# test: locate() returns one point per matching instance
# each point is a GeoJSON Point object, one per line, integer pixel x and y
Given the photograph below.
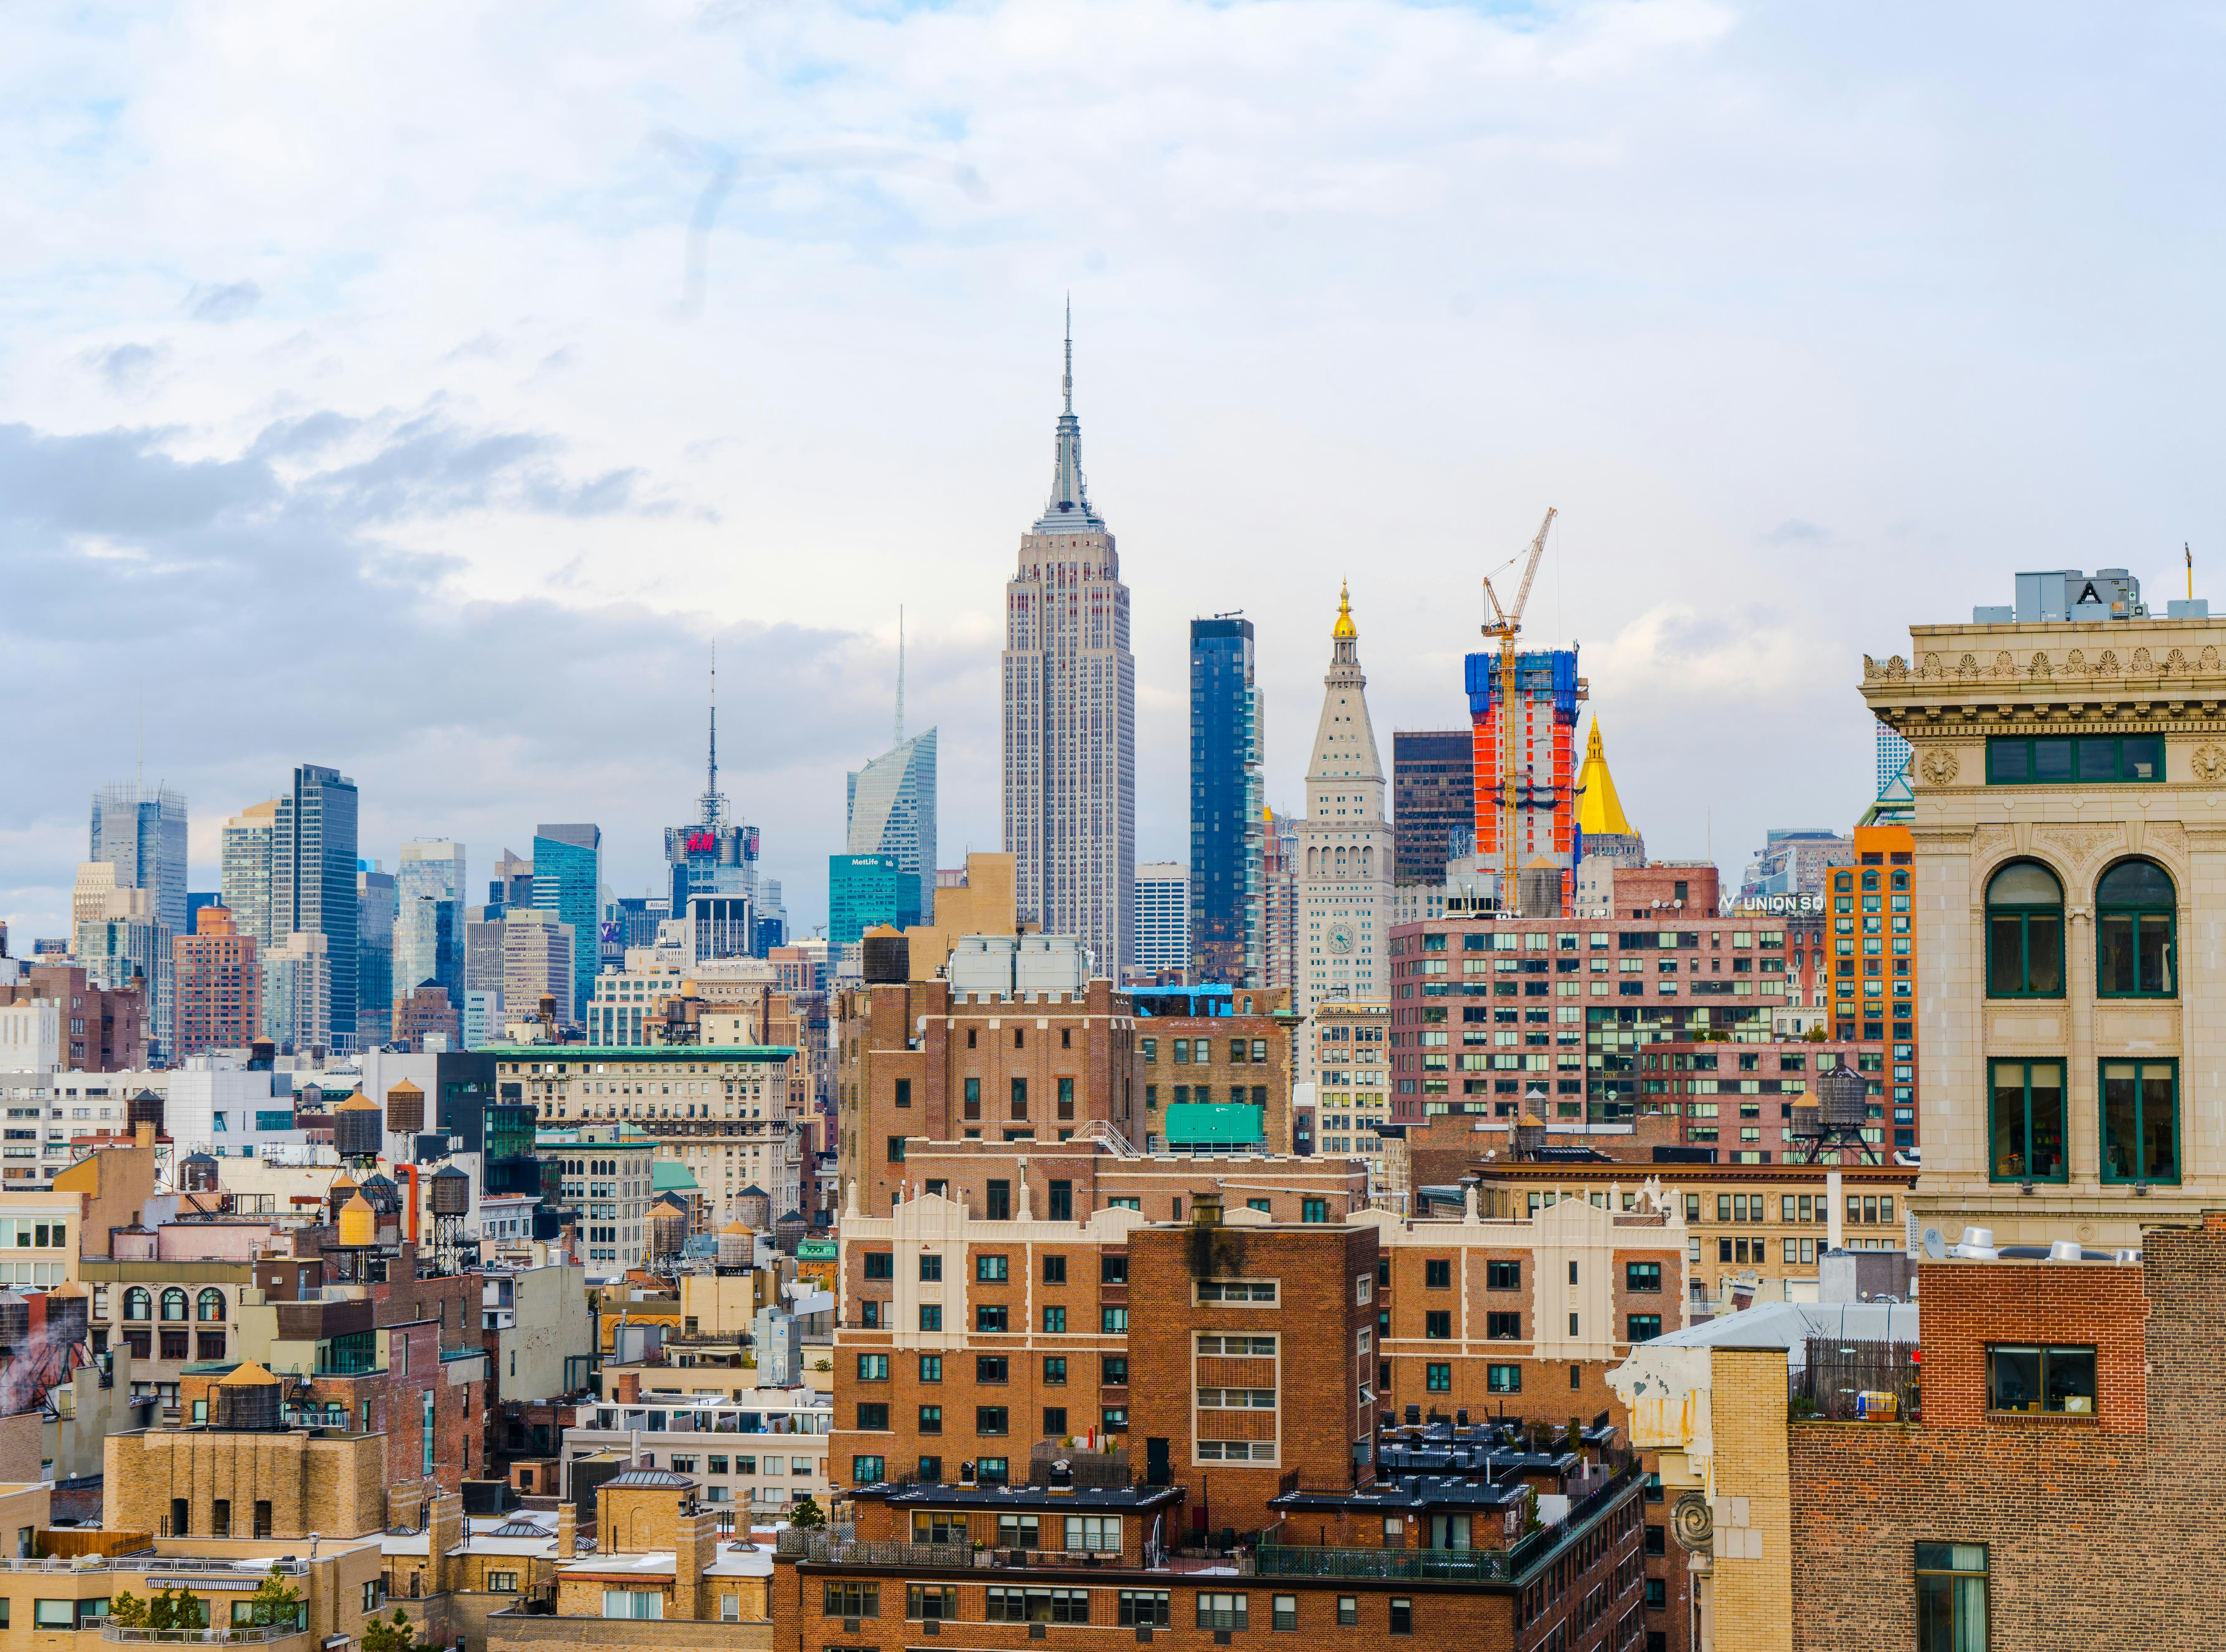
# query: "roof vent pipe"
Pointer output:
{"type": "Point", "coordinates": [2065, 1251]}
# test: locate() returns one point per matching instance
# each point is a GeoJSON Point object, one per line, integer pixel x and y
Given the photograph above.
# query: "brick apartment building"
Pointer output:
{"type": "Point", "coordinates": [1254, 1400]}
{"type": "Point", "coordinates": [1353, 1093]}
{"type": "Point", "coordinates": [2078, 1509]}
{"type": "Point", "coordinates": [104, 1029]}
{"type": "Point", "coordinates": [918, 1059]}
{"type": "Point", "coordinates": [1218, 1048]}
{"type": "Point", "coordinates": [1487, 1012]}
{"type": "Point", "coordinates": [991, 1310]}
{"type": "Point", "coordinates": [1760, 1226]}
{"type": "Point", "coordinates": [219, 986]}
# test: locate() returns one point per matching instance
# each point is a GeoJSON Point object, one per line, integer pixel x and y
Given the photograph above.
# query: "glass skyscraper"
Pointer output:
{"type": "Point", "coordinates": [568, 869]}
{"type": "Point", "coordinates": [1227, 825]}
{"type": "Point", "coordinates": [892, 812]}
{"type": "Point", "coordinates": [246, 874]}
{"type": "Point", "coordinates": [141, 831]}
{"type": "Point", "coordinates": [313, 887]}
{"type": "Point", "coordinates": [429, 888]}
{"type": "Point", "coordinates": [863, 890]}
{"type": "Point", "coordinates": [374, 955]}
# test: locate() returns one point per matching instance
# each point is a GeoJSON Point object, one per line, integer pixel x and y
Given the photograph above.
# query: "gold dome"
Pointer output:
{"type": "Point", "coordinates": [1345, 628]}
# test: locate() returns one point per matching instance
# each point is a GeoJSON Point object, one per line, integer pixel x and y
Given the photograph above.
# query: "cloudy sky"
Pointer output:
{"type": "Point", "coordinates": [422, 389]}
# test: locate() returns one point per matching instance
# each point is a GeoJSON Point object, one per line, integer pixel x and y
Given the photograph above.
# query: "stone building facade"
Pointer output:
{"type": "Point", "coordinates": [2068, 866]}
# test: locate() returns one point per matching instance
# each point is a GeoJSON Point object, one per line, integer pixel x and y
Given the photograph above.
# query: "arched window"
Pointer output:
{"type": "Point", "coordinates": [173, 1304]}
{"type": "Point", "coordinates": [137, 1305]}
{"type": "Point", "coordinates": [209, 1304]}
{"type": "Point", "coordinates": [2025, 932]}
{"type": "Point", "coordinates": [2133, 911]}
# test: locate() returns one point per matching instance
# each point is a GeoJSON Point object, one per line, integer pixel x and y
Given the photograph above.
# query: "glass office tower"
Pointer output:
{"type": "Point", "coordinates": [1226, 824]}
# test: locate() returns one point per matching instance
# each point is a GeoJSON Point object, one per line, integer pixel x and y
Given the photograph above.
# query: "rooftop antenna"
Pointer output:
{"type": "Point", "coordinates": [1066, 384]}
{"type": "Point", "coordinates": [899, 674]}
{"type": "Point", "coordinates": [711, 772]}
{"type": "Point", "coordinates": [2188, 551]}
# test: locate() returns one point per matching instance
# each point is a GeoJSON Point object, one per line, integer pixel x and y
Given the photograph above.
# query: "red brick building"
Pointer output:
{"type": "Point", "coordinates": [220, 987]}
{"type": "Point", "coordinates": [2058, 1480]}
{"type": "Point", "coordinates": [103, 1030]}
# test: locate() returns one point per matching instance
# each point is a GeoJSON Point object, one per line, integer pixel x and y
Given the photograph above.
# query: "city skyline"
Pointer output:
{"type": "Point", "coordinates": [1284, 384]}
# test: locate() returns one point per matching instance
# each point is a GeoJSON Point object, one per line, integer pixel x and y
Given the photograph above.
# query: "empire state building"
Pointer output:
{"type": "Point", "coordinates": [1070, 694]}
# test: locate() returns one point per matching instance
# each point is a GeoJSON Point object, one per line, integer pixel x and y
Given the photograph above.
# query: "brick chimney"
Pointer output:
{"type": "Point", "coordinates": [568, 1530]}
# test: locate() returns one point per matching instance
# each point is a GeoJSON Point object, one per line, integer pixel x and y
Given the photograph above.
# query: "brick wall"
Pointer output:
{"type": "Point", "coordinates": [1326, 1299]}
{"type": "Point", "coordinates": [2101, 1533]}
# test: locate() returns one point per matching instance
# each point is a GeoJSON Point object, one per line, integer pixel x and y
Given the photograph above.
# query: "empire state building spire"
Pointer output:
{"type": "Point", "coordinates": [1069, 718]}
{"type": "Point", "coordinates": [1069, 511]}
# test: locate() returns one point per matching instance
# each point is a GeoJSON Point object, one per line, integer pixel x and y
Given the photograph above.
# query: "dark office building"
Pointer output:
{"type": "Point", "coordinates": [1432, 802]}
{"type": "Point", "coordinates": [1226, 824]}
{"type": "Point", "coordinates": [313, 885]}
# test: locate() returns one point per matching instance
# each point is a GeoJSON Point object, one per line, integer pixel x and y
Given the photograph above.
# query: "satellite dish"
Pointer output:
{"type": "Point", "coordinates": [1936, 1246]}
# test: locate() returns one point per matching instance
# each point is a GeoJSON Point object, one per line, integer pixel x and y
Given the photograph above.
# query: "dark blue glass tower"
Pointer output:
{"type": "Point", "coordinates": [1226, 825]}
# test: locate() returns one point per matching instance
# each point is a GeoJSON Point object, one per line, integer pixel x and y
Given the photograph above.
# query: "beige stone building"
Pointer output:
{"type": "Point", "coordinates": [2070, 887]}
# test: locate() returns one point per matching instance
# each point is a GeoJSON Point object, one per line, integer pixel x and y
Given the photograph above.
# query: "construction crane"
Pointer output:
{"type": "Point", "coordinates": [1504, 625]}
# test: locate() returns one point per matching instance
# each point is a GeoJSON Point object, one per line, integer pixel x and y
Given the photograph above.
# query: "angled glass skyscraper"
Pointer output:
{"type": "Point", "coordinates": [1069, 687]}
{"type": "Point", "coordinates": [427, 938]}
{"type": "Point", "coordinates": [568, 867]}
{"type": "Point", "coordinates": [1226, 824]}
{"type": "Point", "coordinates": [313, 866]}
{"type": "Point", "coordinates": [892, 812]}
{"type": "Point", "coordinates": [141, 831]}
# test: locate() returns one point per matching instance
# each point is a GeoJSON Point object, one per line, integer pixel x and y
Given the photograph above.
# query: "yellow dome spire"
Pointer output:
{"type": "Point", "coordinates": [1345, 628]}
{"type": "Point", "coordinates": [1600, 813]}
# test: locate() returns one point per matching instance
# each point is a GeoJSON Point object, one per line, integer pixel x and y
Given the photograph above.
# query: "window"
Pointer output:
{"type": "Point", "coordinates": [209, 1304]}
{"type": "Point", "coordinates": [1247, 1292]}
{"type": "Point", "coordinates": [1145, 1609]}
{"type": "Point", "coordinates": [904, 1092]}
{"type": "Point", "coordinates": [1438, 1377]}
{"type": "Point", "coordinates": [990, 1269]}
{"type": "Point", "coordinates": [873, 1416]}
{"type": "Point", "coordinates": [1503, 1326]}
{"type": "Point", "coordinates": [866, 1471]}
{"type": "Point", "coordinates": [373, 1592]}
{"type": "Point", "coordinates": [1019, 1094]}
{"type": "Point", "coordinates": [2025, 1378]}
{"type": "Point", "coordinates": [896, 1150]}
{"type": "Point", "coordinates": [2025, 932]}
{"type": "Point", "coordinates": [1642, 1276]}
{"type": "Point", "coordinates": [173, 1304]}
{"type": "Point", "coordinates": [849, 1600]}
{"type": "Point", "coordinates": [1438, 1273]}
{"type": "Point", "coordinates": [502, 1583]}
{"type": "Point", "coordinates": [2027, 1123]}
{"type": "Point", "coordinates": [2134, 939]}
{"type": "Point", "coordinates": [1657, 1593]}
{"type": "Point", "coordinates": [973, 1088]}
{"type": "Point", "coordinates": [1286, 1613]}
{"type": "Point", "coordinates": [2140, 1122]}
{"type": "Point", "coordinates": [1402, 1615]}
{"type": "Point", "coordinates": [931, 1420]}
{"type": "Point", "coordinates": [1223, 1611]}
{"type": "Point", "coordinates": [880, 1264]}
{"type": "Point", "coordinates": [1115, 1371]}
{"type": "Point", "coordinates": [991, 1316]}
{"type": "Point", "coordinates": [1311, 1211]}
{"type": "Point", "coordinates": [931, 1368]}
{"type": "Point", "coordinates": [998, 1202]}
{"type": "Point", "coordinates": [1657, 1540]}
{"type": "Point", "coordinates": [1438, 1324]}
{"type": "Point", "coordinates": [1054, 1370]}
{"type": "Point", "coordinates": [1113, 1269]}
{"type": "Point", "coordinates": [931, 1601]}
{"type": "Point", "coordinates": [1503, 1276]}
{"type": "Point", "coordinates": [931, 1267]}
{"type": "Point", "coordinates": [873, 1367]}
{"type": "Point", "coordinates": [2013, 760]}
{"type": "Point", "coordinates": [1113, 1322]}
{"type": "Point", "coordinates": [1951, 1597]}
{"type": "Point", "coordinates": [1502, 1379]}
{"type": "Point", "coordinates": [1054, 1422]}
{"type": "Point", "coordinates": [1348, 1611]}
{"type": "Point", "coordinates": [1054, 1322]}
{"type": "Point", "coordinates": [1644, 1327]}
{"type": "Point", "coordinates": [1100, 1534]}
{"type": "Point", "coordinates": [640, 1602]}
{"type": "Point", "coordinates": [992, 1367]}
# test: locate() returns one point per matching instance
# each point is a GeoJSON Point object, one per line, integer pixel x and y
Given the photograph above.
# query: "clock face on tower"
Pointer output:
{"type": "Point", "coordinates": [1340, 938]}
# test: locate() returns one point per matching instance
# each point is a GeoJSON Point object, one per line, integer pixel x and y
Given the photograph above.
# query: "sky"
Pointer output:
{"type": "Point", "coordinates": [422, 389]}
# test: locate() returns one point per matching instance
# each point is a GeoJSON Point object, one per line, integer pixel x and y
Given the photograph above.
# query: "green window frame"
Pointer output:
{"type": "Point", "coordinates": [1951, 1597]}
{"type": "Point", "coordinates": [2025, 932]}
{"type": "Point", "coordinates": [2075, 759]}
{"type": "Point", "coordinates": [2140, 1122]}
{"type": "Point", "coordinates": [2136, 911]}
{"type": "Point", "coordinates": [1438, 1377]}
{"type": "Point", "coordinates": [1502, 1379]}
{"type": "Point", "coordinates": [2026, 1122]}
